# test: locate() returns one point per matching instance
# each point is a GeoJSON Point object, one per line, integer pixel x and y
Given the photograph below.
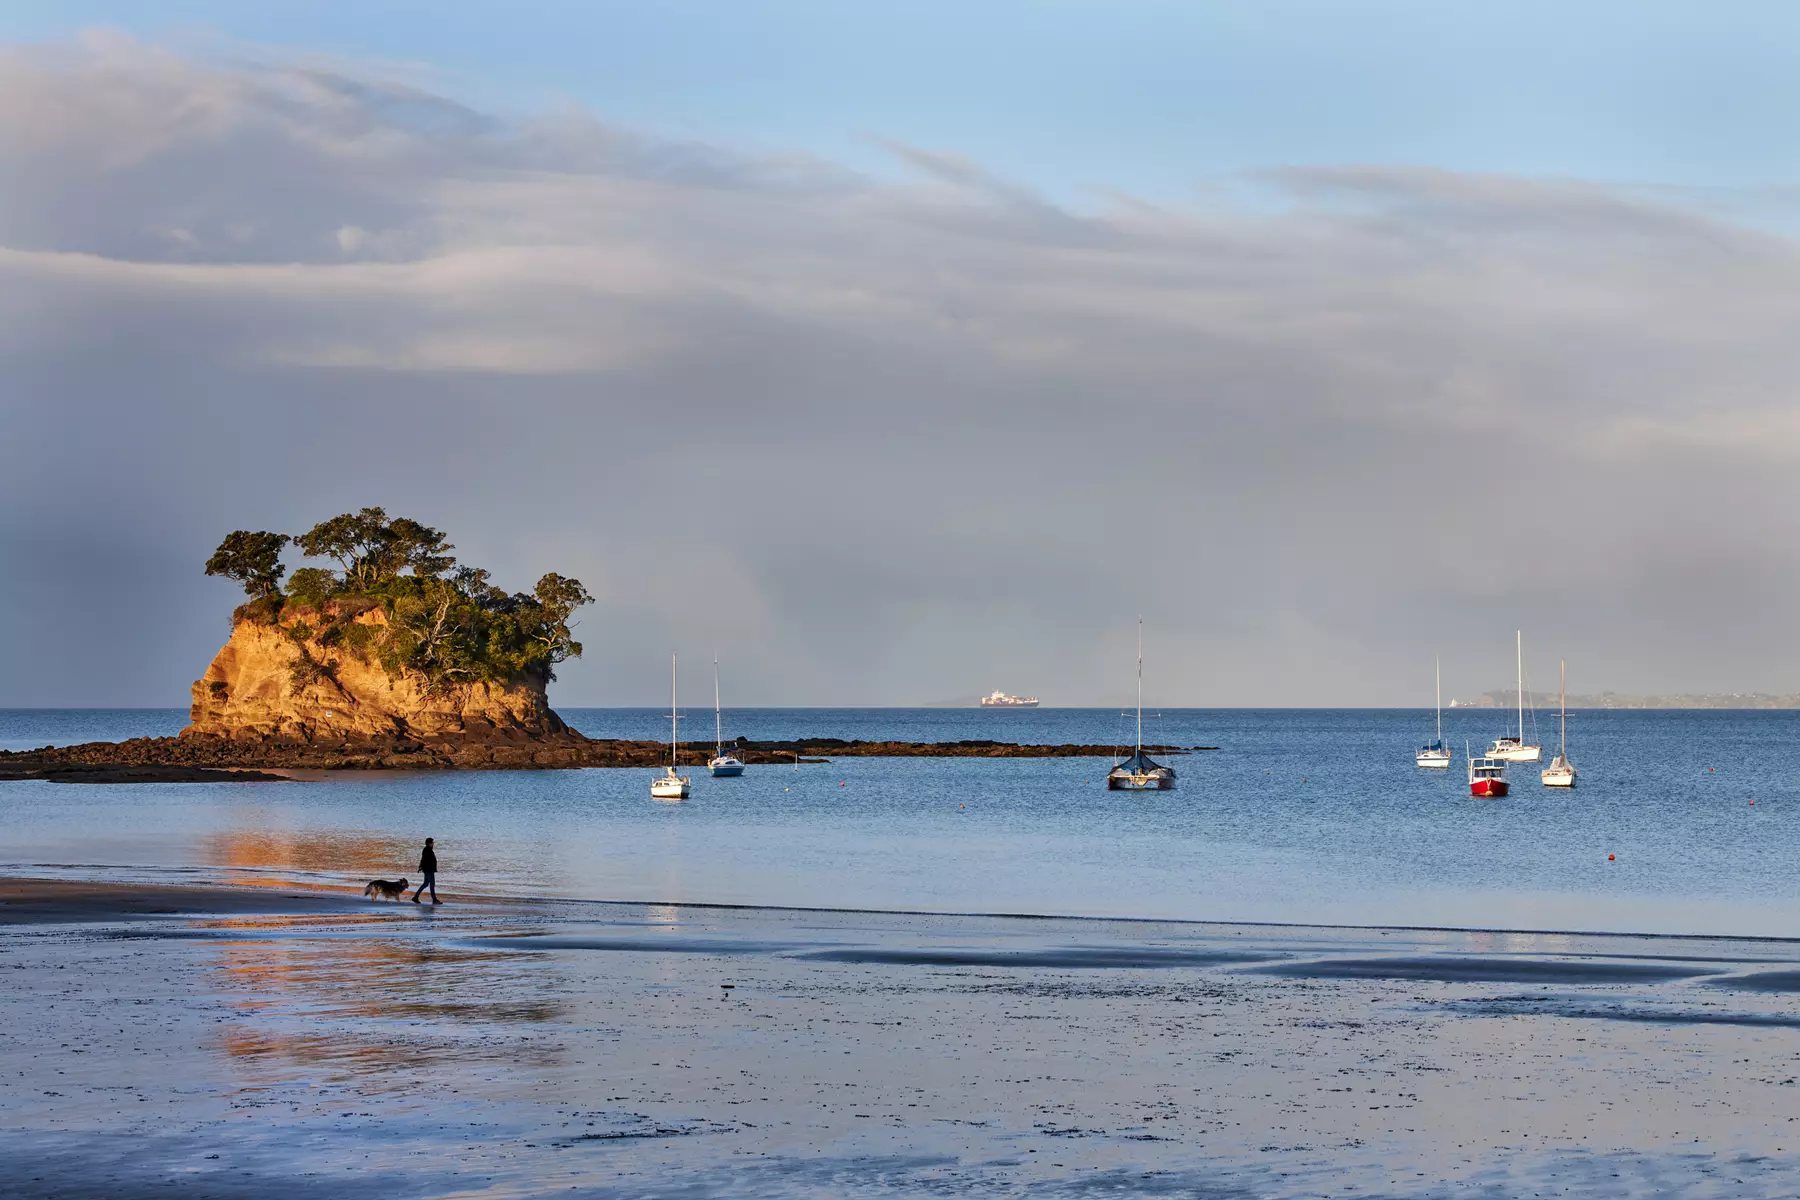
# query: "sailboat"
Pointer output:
{"type": "Point", "coordinates": [671, 784]}
{"type": "Point", "coordinates": [1140, 772]}
{"type": "Point", "coordinates": [1515, 749]}
{"type": "Point", "coordinates": [721, 764]}
{"type": "Point", "coordinates": [1434, 753]}
{"type": "Point", "coordinates": [1561, 772]}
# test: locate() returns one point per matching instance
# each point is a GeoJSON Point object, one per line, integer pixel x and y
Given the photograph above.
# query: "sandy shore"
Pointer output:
{"type": "Point", "coordinates": [236, 1042]}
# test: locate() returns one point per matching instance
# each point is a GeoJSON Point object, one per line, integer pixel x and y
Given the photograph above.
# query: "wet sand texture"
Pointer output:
{"type": "Point", "coordinates": [488, 1051]}
{"type": "Point", "coordinates": [46, 901]}
{"type": "Point", "coordinates": [1447, 969]}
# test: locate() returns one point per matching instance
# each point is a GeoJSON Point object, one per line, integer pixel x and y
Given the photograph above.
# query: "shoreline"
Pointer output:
{"type": "Point", "coordinates": [19, 893]}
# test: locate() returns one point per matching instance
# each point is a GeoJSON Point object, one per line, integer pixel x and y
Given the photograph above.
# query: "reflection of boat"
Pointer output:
{"type": "Point", "coordinates": [1434, 753]}
{"type": "Point", "coordinates": [671, 784]}
{"type": "Point", "coordinates": [721, 764]}
{"type": "Point", "coordinates": [1561, 772]}
{"type": "Point", "coordinates": [1515, 749]}
{"type": "Point", "coordinates": [1487, 776]}
{"type": "Point", "coordinates": [1001, 700]}
{"type": "Point", "coordinates": [1140, 772]}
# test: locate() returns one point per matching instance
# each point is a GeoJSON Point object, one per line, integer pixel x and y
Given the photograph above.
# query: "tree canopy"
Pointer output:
{"type": "Point", "coordinates": [444, 621]}
{"type": "Point", "coordinates": [253, 559]}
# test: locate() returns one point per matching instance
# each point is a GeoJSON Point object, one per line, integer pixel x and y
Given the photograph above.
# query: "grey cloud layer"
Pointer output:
{"type": "Point", "coordinates": [905, 438]}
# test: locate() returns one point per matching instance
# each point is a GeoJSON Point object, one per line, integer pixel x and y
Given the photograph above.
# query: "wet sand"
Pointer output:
{"type": "Point", "coordinates": [234, 1042]}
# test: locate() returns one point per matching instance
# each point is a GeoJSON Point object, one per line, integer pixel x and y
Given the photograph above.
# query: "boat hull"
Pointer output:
{"type": "Point", "coordinates": [1559, 779]}
{"type": "Point", "coordinates": [1438, 761]}
{"type": "Point", "coordinates": [1487, 788]}
{"type": "Point", "coordinates": [669, 787]}
{"type": "Point", "coordinates": [726, 770]}
{"type": "Point", "coordinates": [1133, 784]}
{"type": "Point", "coordinates": [1519, 754]}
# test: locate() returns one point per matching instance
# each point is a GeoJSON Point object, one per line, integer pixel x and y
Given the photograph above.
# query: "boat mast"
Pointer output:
{"type": "Point", "coordinates": [1520, 636]}
{"type": "Point", "coordinates": [1140, 715]}
{"type": "Point", "coordinates": [674, 733]}
{"type": "Point", "coordinates": [718, 728]}
{"type": "Point", "coordinates": [1439, 662]}
{"type": "Point", "coordinates": [1562, 751]}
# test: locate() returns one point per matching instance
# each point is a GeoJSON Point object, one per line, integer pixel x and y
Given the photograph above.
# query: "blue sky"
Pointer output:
{"type": "Point", "coordinates": [1150, 96]}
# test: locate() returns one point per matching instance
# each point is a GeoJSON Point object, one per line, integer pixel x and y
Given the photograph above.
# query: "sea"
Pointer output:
{"type": "Point", "coordinates": [1684, 822]}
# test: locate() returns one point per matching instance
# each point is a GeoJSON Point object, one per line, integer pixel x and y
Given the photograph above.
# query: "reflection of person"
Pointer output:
{"type": "Point", "coordinates": [428, 864]}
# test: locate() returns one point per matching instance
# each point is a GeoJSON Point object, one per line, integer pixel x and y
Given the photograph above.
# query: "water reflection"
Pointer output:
{"type": "Point", "coordinates": [373, 1009]}
{"type": "Point", "coordinates": [248, 854]}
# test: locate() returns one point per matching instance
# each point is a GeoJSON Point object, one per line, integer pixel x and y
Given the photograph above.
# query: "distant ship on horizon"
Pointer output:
{"type": "Point", "coordinates": [1001, 700]}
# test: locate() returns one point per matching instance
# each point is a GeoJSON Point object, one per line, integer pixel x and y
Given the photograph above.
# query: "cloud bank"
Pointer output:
{"type": "Point", "coordinates": [875, 440]}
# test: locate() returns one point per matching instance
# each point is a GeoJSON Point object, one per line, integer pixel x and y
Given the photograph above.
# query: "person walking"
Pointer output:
{"type": "Point", "coordinates": [428, 866]}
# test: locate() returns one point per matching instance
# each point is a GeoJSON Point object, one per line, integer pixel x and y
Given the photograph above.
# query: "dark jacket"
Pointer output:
{"type": "Point", "coordinates": [428, 861]}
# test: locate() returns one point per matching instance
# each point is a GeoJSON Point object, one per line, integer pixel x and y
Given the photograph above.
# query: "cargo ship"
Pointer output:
{"type": "Point", "coordinates": [1002, 700]}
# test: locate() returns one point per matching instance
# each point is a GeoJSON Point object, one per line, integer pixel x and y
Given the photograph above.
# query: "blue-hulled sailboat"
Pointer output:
{"type": "Point", "coordinates": [721, 764]}
{"type": "Point", "coordinates": [1140, 772]}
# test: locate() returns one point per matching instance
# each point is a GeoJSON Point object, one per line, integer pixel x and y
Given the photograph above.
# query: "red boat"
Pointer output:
{"type": "Point", "coordinates": [1487, 777]}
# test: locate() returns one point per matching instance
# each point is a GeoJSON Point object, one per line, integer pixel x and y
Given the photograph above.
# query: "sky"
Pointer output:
{"type": "Point", "coordinates": [899, 353]}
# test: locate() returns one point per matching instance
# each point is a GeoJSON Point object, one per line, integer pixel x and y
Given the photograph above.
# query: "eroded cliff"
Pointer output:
{"type": "Point", "coordinates": [277, 680]}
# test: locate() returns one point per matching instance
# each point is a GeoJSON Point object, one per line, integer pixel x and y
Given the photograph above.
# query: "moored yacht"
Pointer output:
{"type": "Point", "coordinates": [1517, 749]}
{"type": "Point", "coordinates": [721, 764]}
{"type": "Point", "coordinates": [1434, 753]}
{"type": "Point", "coordinates": [1140, 772]}
{"type": "Point", "coordinates": [1561, 771]}
{"type": "Point", "coordinates": [671, 784]}
{"type": "Point", "coordinates": [1487, 776]}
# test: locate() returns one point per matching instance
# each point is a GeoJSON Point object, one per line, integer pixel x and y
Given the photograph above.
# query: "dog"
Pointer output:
{"type": "Point", "coordinates": [393, 889]}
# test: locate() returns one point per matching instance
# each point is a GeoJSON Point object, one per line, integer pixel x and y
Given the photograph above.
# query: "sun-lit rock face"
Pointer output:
{"type": "Point", "coordinates": [252, 692]}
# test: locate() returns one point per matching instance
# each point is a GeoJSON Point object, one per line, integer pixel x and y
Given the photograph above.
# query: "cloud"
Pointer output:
{"type": "Point", "coordinates": [896, 438]}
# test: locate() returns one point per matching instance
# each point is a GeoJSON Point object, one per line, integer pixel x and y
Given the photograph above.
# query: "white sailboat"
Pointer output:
{"type": "Point", "coordinates": [671, 784]}
{"type": "Point", "coordinates": [1434, 753]}
{"type": "Point", "coordinates": [721, 764]}
{"type": "Point", "coordinates": [1561, 772]}
{"type": "Point", "coordinates": [1516, 749]}
{"type": "Point", "coordinates": [1140, 772]}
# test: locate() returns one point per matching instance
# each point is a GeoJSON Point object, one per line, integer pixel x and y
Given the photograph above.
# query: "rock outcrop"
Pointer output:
{"type": "Point", "coordinates": [277, 682]}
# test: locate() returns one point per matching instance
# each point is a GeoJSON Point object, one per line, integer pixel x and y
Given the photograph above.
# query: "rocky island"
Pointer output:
{"type": "Point", "coordinates": [399, 658]}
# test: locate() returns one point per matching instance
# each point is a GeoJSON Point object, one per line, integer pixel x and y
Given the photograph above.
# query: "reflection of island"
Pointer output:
{"type": "Point", "coordinates": [258, 858]}
{"type": "Point", "coordinates": [342, 1003]}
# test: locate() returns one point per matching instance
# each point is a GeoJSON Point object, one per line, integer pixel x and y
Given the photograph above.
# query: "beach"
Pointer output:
{"type": "Point", "coordinates": [281, 1040]}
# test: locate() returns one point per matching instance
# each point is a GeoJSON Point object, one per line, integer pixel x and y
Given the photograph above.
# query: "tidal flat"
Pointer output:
{"type": "Point", "coordinates": [226, 1042]}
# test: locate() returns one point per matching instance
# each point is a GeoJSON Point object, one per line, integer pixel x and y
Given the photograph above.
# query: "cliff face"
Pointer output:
{"type": "Point", "coordinates": [250, 693]}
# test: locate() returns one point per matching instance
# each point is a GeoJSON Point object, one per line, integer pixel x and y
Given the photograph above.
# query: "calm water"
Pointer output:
{"type": "Point", "coordinates": [1309, 815]}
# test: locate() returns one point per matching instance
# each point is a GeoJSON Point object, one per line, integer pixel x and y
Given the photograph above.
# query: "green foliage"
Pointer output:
{"type": "Point", "coordinates": [312, 586]}
{"type": "Point", "coordinates": [373, 549]}
{"type": "Point", "coordinates": [446, 622]}
{"type": "Point", "coordinates": [253, 559]}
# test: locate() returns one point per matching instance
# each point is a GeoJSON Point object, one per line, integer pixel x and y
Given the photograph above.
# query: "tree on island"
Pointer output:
{"type": "Point", "coordinates": [253, 559]}
{"type": "Point", "coordinates": [443, 621]}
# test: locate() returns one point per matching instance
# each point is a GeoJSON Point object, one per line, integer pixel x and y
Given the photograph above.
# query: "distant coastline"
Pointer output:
{"type": "Point", "coordinates": [1507, 698]}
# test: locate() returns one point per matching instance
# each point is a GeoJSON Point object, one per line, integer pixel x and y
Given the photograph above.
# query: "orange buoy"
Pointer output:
{"type": "Point", "coordinates": [1609, 858]}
